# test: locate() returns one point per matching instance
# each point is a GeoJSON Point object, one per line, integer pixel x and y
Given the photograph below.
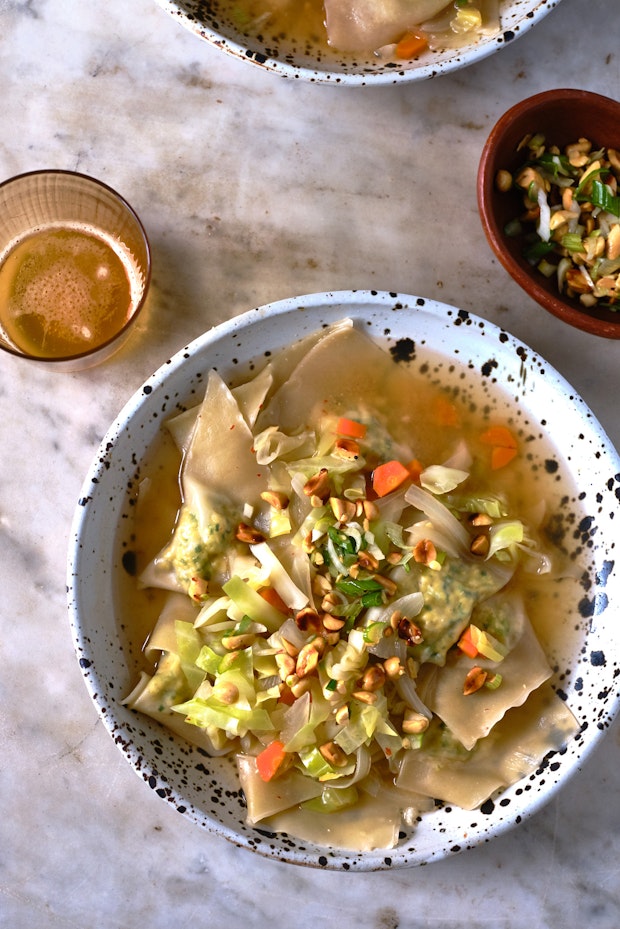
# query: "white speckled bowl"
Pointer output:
{"type": "Point", "coordinates": [586, 675]}
{"type": "Point", "coordinates": [208, 20]}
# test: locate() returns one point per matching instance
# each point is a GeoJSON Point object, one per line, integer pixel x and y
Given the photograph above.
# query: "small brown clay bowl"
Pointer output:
{"type": "Point", "coordinates": [562, 116]}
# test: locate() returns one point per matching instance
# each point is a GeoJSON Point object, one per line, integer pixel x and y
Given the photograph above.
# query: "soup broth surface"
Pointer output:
{"type": "Point", "coordinates": [441, 409]}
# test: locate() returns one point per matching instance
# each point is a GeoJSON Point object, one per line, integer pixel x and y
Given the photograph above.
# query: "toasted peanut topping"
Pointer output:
{"type": "Point", "coordinates": [577, 281]}
{"type": "Point", "coordinates": [614, 160]}
{"type": "Point", "coordinates": [330, 600]}
{"type": "Point", "coordinates": [347, 449]}
{"type": "Point", "coordinates": [318, 485]}
{"type": "Point", "coordinates": [227, 693]}
{"type": "Point", "coordinates": [342, 715]}
{"type": "Point", "coordinates": [612, 248]}
{"type": "Point", "coordinates": [480, 519]}
{"type": "Point", "coordinates": [285, 664]}
{"type": "Point", "coordinates": [424, 552]}
{"type": "Point", "coordinates": [307, 544]}
{"type": "Point", "coordinates": [474, 680]}
{"type": "Point", "coordinates": [289, 648]}
{"type": "Point", "coordinates": [393, 667]}
{"type": "Point", "coordinates": [365, 696]}
{"type": "Point", "coordinates": [333, 754]}
{"type": "Point", "coordinates": [387, 583]}
{"type": "Point", "coordinates": [308, 620]}
{"type": "Point", "coordinates": [276, 499]}
{"type": "Point", "coordinates": [249, 534]}
{"type": "Point", "coordinates": [367, 561]}
{"type": "Point", "coordinates": [503, 180]}
{"type": "Point", "coordinates": [371, 510]}
{"type": "Point", "coordinates": [322, 584]}
{"type": "Point", "coordinates": [480, 545]}
{"type": "Point", "coordinates": [233, 642]}
{"type": "Point", "coordinates": [307, 661]}
{"type": "Point", "coordinates": [577, 153]}
{"type": "Point", "coordinates": [343, 510]}
{"type": "Point", "coordinates": [414, 722]}
{"type": "Point", "coordinates": [408, 631]}
{"type": "Point", "coordinates": [332, 623]}
{"type": "Point", "coordinates": [395, 619]}
{"type": "Point", "coordinates": [373, 678]}
{"type": "Point", "coordinates": [198, 589]}
{"type": "Point", "coordinates": [299, 686]}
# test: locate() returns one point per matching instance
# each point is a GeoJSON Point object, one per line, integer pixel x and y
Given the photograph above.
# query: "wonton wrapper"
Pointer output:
{"type": "Point", "coordinates": [220, 456]}
{"type": "Point", "coordinates": [472, 717]}
{"type": "Point", "coordinates": [367, 25]}
{"type": "Point", "coordinates": [154, 694]}
{"type": "Point", "coordinates": [515, 748]}
{"type": "Point", "coordinates": [346, 374]}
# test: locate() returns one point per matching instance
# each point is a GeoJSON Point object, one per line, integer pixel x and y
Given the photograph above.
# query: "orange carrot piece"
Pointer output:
{"type": "Point", "coordinates": [415, 469]}
{"type": "Point", "coordinates": [271, 595]}
{"type": "Point", "coordinates": [501, 456]}
{"type": "Point", "coordinates": [388, 476]}
{"type": "Point", "coordinates": [287, 697]}
{"type": "Point", "coordinates": [499, 436]}
{"type": "Point", "coordinates": [350, 428]}
{"type": "Point", "coordinates": [411, 44]}
{"type": "Point", "coordinates": [465, 643]}
{"type": "Point", "coordinates": [446, 413]}
{"type": "Point", "coordinates": [270, 760]}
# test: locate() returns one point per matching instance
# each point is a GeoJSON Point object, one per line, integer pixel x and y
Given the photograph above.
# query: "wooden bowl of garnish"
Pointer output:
{"type": "Point", "coordinates": [548, 196]}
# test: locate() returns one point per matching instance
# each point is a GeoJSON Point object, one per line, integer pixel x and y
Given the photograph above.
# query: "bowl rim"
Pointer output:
{"type": "Point", "coordinates": [389, 73]}
{"type": "Point", "coordinates": [151, 393]}
{"type": "Point", "coordinates": [485, 188]}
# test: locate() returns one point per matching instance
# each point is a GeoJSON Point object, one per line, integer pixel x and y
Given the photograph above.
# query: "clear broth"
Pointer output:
{"type": "Point", "coordinates": [65, 291]}
{"type": "Point", "coordinates": [537, 475]}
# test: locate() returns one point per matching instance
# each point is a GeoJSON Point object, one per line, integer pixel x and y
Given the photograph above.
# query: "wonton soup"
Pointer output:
{"type": "Point", "coordinates": [353, 577]}
{"type": "Point", "coordinates": [399, 29]}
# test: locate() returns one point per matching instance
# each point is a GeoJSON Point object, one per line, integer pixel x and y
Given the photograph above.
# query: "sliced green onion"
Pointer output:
{"type": "Point", "coordinates": [572, 241]}
{"type": "Point", "coordinates": [374, 632]}
{"type": "Point", "coordinates": [603, 198]}
{"type": "Point", "coordinates": [537, 251]}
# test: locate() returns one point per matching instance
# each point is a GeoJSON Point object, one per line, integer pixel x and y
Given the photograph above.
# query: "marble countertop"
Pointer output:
{"type": "Point", "coordinates": [252, 188]}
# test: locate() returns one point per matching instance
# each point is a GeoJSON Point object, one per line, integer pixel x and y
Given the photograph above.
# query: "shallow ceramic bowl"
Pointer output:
{"type": "Point", "coordinates": [563, 116]}
{"type": "Point", "coordinates": [206, 789]}
{"type": "Point", "coordinates": [211, 21]}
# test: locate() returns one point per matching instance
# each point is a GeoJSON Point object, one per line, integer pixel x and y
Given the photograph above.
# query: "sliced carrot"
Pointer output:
{"type": "Point", "coordinates": [445, 412]}
{"type": "Point", "coordinates": [270, 760]}
{"type": "Point", "coordinates": [501, 456]}
{"type": "Point", "coordinates": [415, 469]}
{"type": "Point", "coordinates": [500, 436]}
{"type": "Point", "coordinates": [411, 44]}
{"type": "Point", "coordinates": [350, 428]}
{"type": "Point", "coordinates": [465, 643]}
{"type": "Point", "coordinates": [271, 595]}
{"type": "Point", "coordinates": [287, 697]}
{"type": "Point", "coordinates": [388, 476]}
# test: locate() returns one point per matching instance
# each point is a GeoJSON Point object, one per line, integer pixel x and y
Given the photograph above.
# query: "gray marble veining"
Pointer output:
{"type": "Point", "coordinates": [252, 188]}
